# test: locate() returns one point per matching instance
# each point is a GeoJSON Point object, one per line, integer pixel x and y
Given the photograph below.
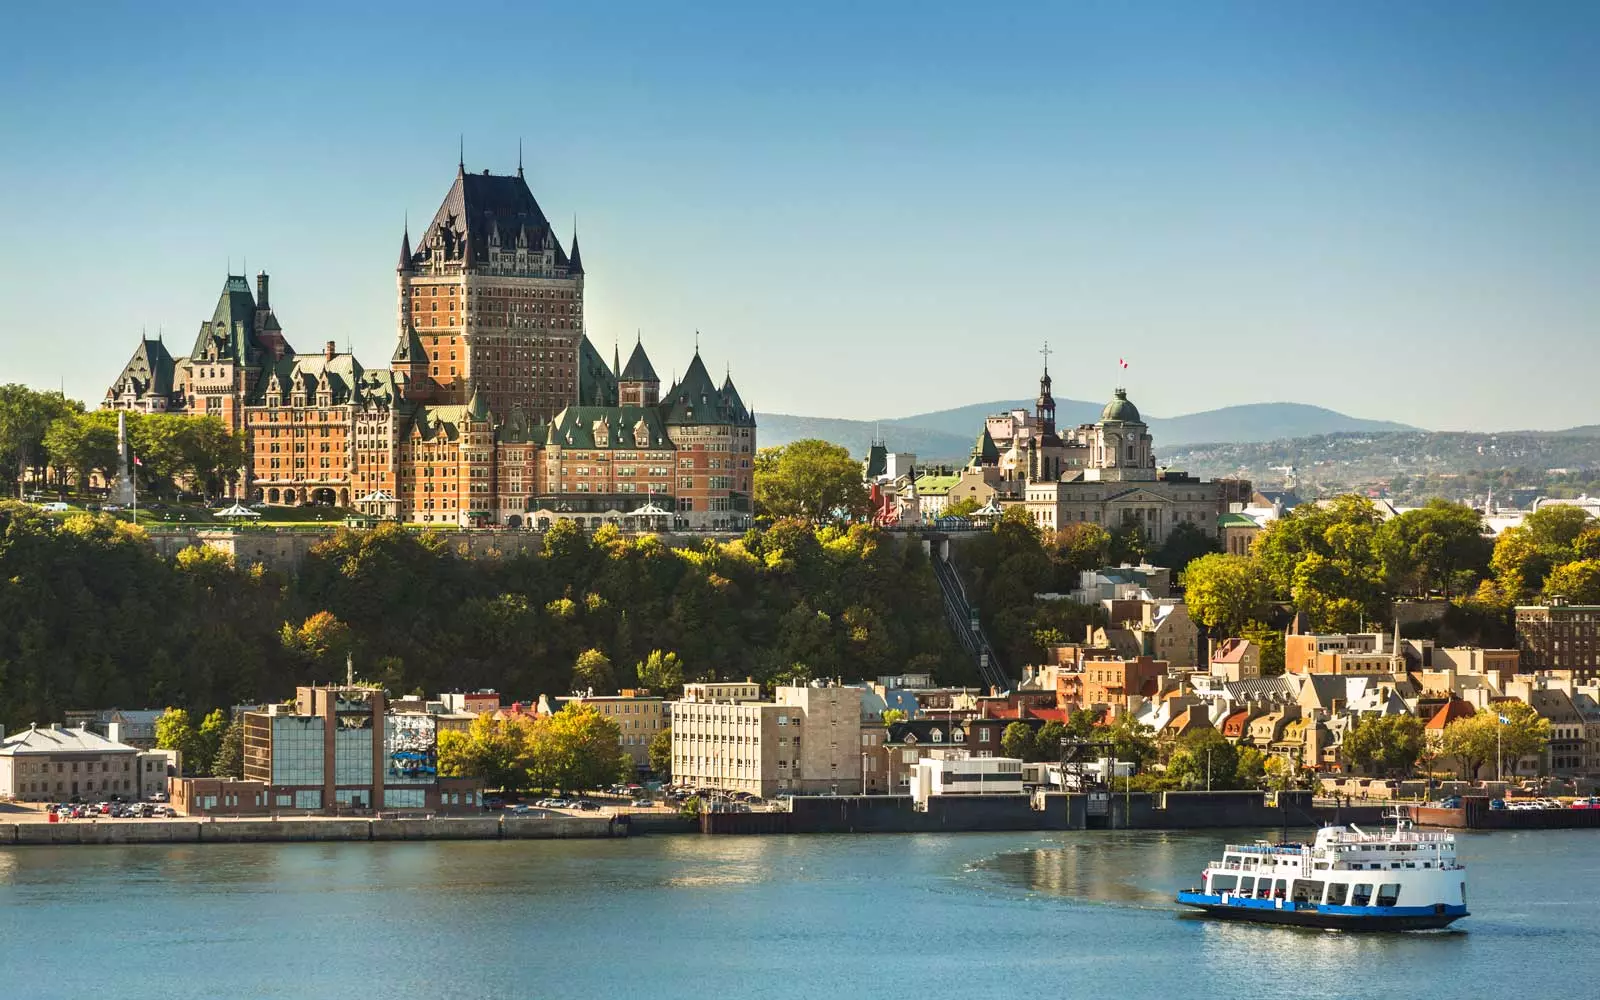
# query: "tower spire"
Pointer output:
{"type": "Point", "coordinates": [461, 153]}
{"type": "Point", "coordinates": [519, 169]}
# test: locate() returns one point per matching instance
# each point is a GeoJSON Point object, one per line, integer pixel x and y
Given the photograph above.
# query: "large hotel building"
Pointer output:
{"type": "Point", "coordinates": [495, 407]}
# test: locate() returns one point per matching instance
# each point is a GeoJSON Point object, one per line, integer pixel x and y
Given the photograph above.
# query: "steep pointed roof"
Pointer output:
{"type": "Point", "coordinates": [597, 384]}
{"type": "Point", "coordinates": [575, 262]}
{"type": "Point", "coordinates": [984, 451]}
{"type": "Point", "coordinates": [736, 407]}
{"type": "Point", "coordinates": [480, 206]}
{"type": "Point", "coordinates": [638, 368]}
{"type": "Point", "coordinates": [410, 349]}
{"type": "Point", "coordinates": [478, 407]}
{"type": "Point", "coordinates": [150, 370]}
{"type": "Point", "coordinates": [230, 333]}
{"type": "Point", "coordinates": [695, 399]}
{"type": "Point", "coordinates": [405, 251]}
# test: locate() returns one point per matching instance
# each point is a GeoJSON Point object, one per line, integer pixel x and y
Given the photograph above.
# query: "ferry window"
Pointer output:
{"type": "Point", "coordinates": [1337, 891]}
{"type": "Point", "coordinates": [1224, 883]}
{"type": "Point", "coordinates": [1307, 891]}
{"type": "Point", "coordinates": [1264, 889]}
{"type": "Point", "coordinates": [1247, 885]}
{"type": "Point", "coordinates": [1362, 894]}
{"type": "Point", "coordinates": [1388, 893]}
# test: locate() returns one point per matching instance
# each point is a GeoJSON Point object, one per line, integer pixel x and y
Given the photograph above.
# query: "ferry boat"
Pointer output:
{"type": "Point", "coordinates": [1404, 879]}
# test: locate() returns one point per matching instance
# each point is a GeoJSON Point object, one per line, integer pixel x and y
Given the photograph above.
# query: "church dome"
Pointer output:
{"type": "Point", "coordinates": [1120, 409]}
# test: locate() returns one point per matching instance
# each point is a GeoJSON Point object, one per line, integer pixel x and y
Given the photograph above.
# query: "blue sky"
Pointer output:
{"type": "Point", "coordinates": [867, 210]}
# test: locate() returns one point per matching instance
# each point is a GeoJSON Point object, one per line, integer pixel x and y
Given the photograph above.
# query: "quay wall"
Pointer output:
{"type": "Point", "coordinates": [1475, 814]}
{"type": "Point", "coordinates": [1020, 813]}
{"type": "Point", "coordinates": [255, 831]}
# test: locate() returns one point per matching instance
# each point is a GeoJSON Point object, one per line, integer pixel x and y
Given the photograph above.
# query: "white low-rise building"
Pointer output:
{"type": "Point", "coordinates": [954, 772]}
{"type": "Point", "coordinates": [58, 764]}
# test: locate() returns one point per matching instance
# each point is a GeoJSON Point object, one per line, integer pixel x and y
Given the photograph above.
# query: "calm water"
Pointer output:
{"type": "Point", "coordinates": [884, 917]}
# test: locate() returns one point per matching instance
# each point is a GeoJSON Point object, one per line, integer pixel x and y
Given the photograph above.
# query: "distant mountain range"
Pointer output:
{"type": "Point", "coordinates": [948, 435]}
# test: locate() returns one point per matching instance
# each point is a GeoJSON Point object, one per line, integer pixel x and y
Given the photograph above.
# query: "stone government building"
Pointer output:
{"type": "Point", "coordinates": [1102, 473]}
{"type": "Point", "coordinates": [495, 407]}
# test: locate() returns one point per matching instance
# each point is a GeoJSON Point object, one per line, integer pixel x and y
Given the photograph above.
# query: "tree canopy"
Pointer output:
{"type": "Point", "coordinates": [1387, 744]}
{"type": "Point", "coordinates": [1226, 593]}
{"type": "Point", "coordinates": [92, 616]}
{"type": "Point", "coordinates": [811, 480]}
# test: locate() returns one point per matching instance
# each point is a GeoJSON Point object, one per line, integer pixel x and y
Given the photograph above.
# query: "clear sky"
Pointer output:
{"type": "Point", "coordinates": [866, 209]}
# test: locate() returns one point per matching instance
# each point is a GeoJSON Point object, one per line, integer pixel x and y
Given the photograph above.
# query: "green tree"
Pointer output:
{"type": "Point", "coordinates": [1251, 771]}
{"type": "Point", "coordinates": [1130, 739]}
{"type": "Point", "coordinates": [1185, 543]}
{"type": "Point", "coordinates": [960, 508]}
{"type": "Point", "coordinates": [592, 672]}
{"type": "Point", "coordinates": [83, 443]}
{"type": "Point", "coordinates": [1557, 528]}
{"type": "Point", "coordinates": [661, 672]}
{"type": "Point", "coordinates": [229, 759]}
{"type": "Point", "coordinates": [174, 731]}
{"type": "Point", "coordinates": [209, 454]}
{"type": "Point", "coordinates": [25, 417]}
{"type": "Point", "coordinates": [1389, 745]}
{"type": "Point", "coordinates": [1439, 546]}
{"type": "Point", "coordinates": [1225, 593]}
{"type": "Point", "coordinates": [1047, 741]}
{"type": "Point", "coordinates": [1202, 759]}
{"type": "Point", "coordinates": [1017, 741]}
{"type": "Point", "coordinates": [811, 480]}
{"type": "Point", "coordinates": [577, 749]}
{"type": "Point", "coordinates": [208, 740]}
{"type": "Point", "coordinates": [1128, 544]}
{"type": "Point", "coordinates": [1076, 547]}
{"type": "Point", "coordinates": [1471, 741]}
{"type": "Point", "coordinates": [892, 716]}
{"type": "Point", "coordinates": [1520, 563]}
{"type": "Point", "coordinates": [661, 754]}
{"type": "Point", "coordinates": [1578, 582]}
{"type": "Point", "coordinates": [1321, 557]}
{"type": "Point", "coordinates": [495, 751]}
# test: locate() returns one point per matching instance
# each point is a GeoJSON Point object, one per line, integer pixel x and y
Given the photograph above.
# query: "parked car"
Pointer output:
{"type": "Point", "coordinates": [56, 507]}
{"type": "Point", "coordinates": [641, 803]}
{"type": "Point", "coordinates": [588, 806]}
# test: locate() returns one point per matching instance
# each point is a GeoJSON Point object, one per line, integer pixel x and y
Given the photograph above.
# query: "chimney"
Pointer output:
{"type": "Point", "coordinates": [328, 351]}
{"type": "Point", "coordinates": [55, 727]}
{"type": "Point", "coordinates": [261, 291]}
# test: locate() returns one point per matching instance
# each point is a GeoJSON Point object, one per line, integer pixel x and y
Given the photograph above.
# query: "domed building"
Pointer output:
{"type": "Point", "coordinates": [1103, 473]}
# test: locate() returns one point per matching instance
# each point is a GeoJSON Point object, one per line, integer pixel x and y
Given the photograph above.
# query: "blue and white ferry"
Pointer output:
{"type": "Point", "coordinates": [1401, 880]}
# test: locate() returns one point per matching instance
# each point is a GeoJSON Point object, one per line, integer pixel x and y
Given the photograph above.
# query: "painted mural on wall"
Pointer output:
{"type": "Point", "coordinates": [411, 748]}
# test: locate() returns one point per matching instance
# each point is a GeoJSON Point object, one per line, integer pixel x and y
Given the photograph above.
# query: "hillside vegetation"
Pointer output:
{"type": "Point", "coordinates": [92, 617]}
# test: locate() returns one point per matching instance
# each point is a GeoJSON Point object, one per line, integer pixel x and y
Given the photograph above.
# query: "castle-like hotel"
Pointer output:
{"type": "Point", "coordinates": [495, 407]}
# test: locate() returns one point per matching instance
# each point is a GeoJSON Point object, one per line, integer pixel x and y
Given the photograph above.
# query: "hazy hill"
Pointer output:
{"type": "Point", "coordinates": [1330, 462]}
{"type": "Point", "coordinates": [947, 435]}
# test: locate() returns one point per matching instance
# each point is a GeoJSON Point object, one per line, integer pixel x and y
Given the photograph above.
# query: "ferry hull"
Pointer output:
{"type": "Point", "coordinates": [1347, 918]}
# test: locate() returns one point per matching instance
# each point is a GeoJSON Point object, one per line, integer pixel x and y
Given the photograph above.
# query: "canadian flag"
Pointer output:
{"type": "Point", "coordinates": [139, 463]}
{"type": "Point", "coordinates": [1123, 362]}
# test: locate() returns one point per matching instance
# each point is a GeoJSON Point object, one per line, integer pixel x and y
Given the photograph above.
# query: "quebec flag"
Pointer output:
{"type": "Point", "coordinates": [1505, 721]}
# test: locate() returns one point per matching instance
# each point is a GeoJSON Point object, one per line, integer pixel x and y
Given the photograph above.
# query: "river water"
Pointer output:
{"type": "Point", "coordinates": [916, 916]}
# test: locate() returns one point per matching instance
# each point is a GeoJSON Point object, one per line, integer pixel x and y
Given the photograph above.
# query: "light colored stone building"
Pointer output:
{"type": "Point", "coordinates": [722, 691]}
{"type": "Point", "coordinates": [808, 740]}
{"type": "Point", "coordinates": [1103, 473]}
{"type": "Point", "coordinates": [58, 764]}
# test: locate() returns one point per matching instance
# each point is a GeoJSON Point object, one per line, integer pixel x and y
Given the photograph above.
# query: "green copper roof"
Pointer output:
{"type": "Point", "coordinates": [1120, 409]}
{"type": "Point", "coordinates": [984, 451]}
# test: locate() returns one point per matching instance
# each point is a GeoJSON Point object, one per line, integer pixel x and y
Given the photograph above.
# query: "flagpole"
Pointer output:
{"type": "Point", "coordinates": [1499, 748]}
